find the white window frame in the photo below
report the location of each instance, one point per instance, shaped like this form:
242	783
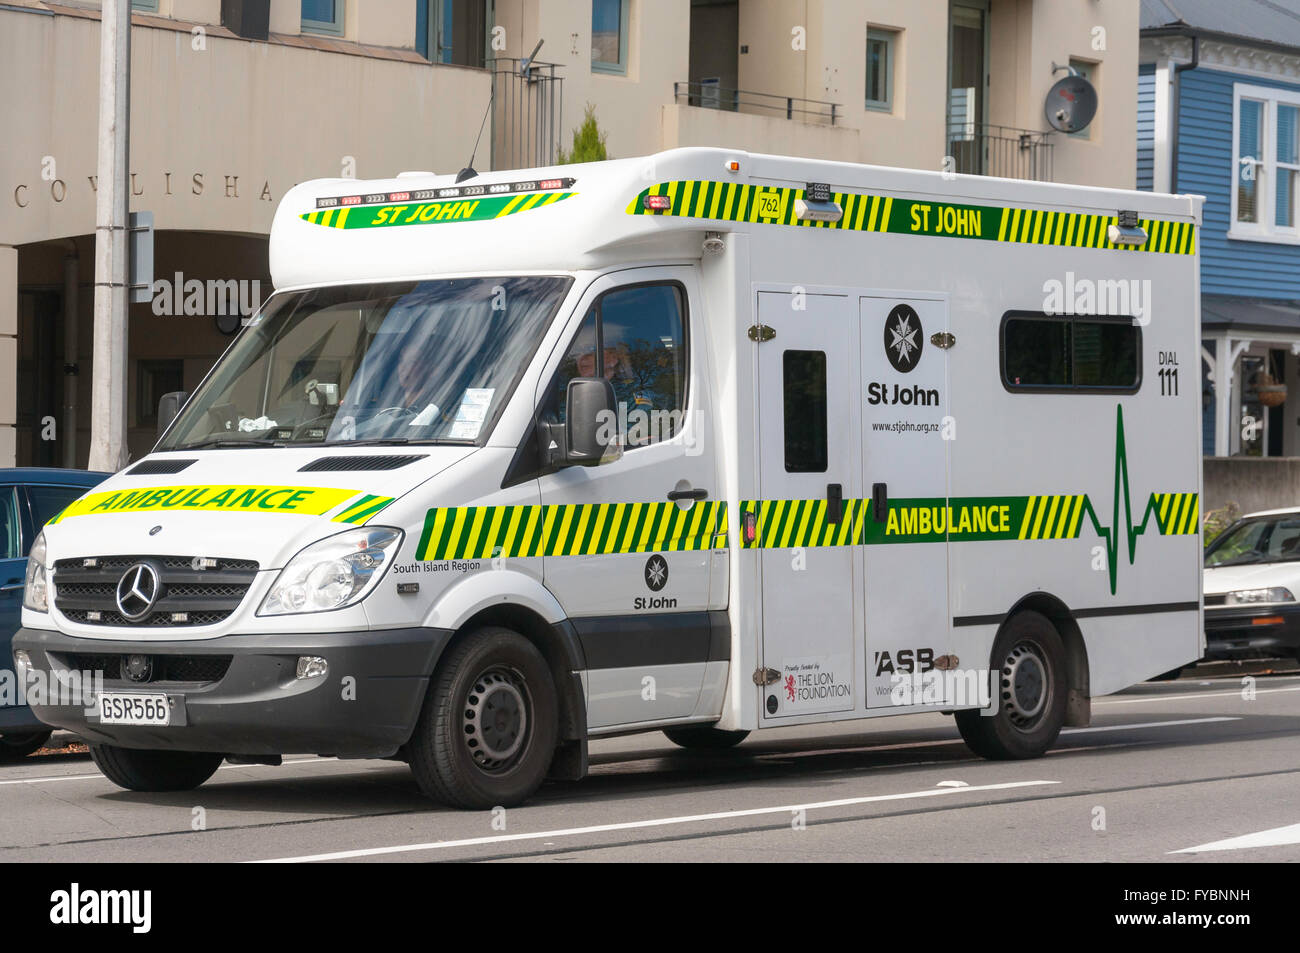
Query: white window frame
1265	230
329	28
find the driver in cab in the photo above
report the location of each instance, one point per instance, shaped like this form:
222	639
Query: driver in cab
394	404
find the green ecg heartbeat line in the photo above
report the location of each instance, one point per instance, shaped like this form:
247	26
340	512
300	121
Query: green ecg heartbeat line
1132	532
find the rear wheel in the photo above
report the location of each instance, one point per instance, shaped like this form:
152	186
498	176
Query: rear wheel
138	770
705	737
15	747
1029	660
488	731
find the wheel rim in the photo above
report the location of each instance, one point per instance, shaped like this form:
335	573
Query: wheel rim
1026	685
495	719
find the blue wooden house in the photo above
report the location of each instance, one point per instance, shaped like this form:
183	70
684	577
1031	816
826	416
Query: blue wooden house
1219	115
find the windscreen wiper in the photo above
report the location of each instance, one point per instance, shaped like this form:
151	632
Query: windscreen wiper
229	442
385	442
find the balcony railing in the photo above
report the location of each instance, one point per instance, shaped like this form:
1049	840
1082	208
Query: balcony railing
527	99
711	96
982	149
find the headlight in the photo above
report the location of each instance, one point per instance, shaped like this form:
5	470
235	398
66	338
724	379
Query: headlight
334	572
1250	597
36	590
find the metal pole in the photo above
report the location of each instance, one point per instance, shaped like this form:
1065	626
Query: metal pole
108	450
71	320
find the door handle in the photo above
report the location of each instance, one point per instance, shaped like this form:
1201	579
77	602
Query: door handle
834	502
879	502
692	494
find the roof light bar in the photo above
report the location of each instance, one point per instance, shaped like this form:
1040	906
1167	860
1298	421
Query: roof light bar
451	192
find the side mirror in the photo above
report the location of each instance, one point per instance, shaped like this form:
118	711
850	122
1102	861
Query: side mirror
591	423
169	405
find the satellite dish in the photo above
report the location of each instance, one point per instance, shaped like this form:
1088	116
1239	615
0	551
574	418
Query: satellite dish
1071	104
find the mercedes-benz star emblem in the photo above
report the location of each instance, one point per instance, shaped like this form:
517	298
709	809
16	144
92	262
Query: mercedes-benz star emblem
137	591
656	572
903	338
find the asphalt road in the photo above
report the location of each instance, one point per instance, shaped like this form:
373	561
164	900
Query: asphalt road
1186	771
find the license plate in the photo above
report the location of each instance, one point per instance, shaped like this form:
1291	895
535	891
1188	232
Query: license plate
123	708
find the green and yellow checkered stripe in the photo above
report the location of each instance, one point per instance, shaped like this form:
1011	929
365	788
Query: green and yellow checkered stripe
783	524
1177	514
578	529
475	209
1052	517
359	511
1077	230
771	205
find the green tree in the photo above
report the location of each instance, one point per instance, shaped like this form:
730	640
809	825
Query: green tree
588	141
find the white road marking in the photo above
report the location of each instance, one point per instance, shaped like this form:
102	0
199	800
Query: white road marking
639	825
1177	698
1149	724
89	777
1277	837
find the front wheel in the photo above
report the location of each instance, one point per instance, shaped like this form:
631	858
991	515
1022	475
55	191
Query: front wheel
154	771
488	730
16	747
1029	660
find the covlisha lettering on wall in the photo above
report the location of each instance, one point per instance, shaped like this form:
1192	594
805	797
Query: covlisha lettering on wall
163	183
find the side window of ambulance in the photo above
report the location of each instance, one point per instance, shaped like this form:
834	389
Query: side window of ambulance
1080	354
803	386
636	338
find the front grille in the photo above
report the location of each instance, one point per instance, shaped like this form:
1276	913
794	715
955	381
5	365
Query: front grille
191	592
1220	600
163	668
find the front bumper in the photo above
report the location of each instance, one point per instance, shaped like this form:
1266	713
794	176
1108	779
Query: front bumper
1252	632
366	705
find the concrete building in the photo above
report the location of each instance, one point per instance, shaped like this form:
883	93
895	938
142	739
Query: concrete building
221	127
893	82
227	115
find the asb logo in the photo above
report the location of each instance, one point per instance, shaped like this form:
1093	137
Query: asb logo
903	338
656	572
137	591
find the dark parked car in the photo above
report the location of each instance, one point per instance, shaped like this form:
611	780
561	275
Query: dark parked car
28	498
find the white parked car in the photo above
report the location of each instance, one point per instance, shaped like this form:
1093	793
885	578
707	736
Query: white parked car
1252	576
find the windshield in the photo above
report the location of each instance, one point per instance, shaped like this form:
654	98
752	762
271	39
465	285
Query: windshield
402	362
1269	540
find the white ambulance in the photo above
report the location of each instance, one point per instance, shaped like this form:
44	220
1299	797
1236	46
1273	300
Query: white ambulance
705	442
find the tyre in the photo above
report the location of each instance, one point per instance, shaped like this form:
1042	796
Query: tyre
15	747
138	770
488	730
1029	661
704	737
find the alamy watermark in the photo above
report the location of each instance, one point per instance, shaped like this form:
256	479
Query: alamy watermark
1126	297
213	297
